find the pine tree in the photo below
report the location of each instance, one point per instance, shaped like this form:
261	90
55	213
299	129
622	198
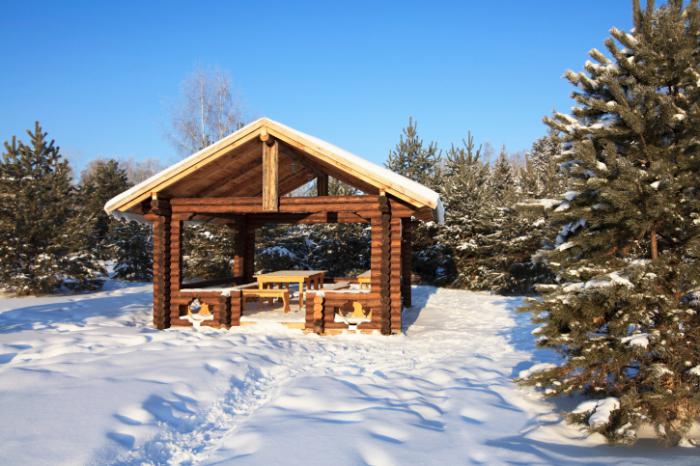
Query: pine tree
502	180
41	221
208	251
627	258
100	182
540	177
418	162
131	246
412	158
465	192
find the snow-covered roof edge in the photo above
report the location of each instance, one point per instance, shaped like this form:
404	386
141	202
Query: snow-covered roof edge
380	175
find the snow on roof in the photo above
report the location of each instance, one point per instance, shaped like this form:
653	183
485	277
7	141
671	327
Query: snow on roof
376	175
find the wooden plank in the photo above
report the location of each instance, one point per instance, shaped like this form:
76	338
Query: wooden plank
322	185
219	173
205	156
270	192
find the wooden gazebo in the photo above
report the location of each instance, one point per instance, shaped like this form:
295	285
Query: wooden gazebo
244	181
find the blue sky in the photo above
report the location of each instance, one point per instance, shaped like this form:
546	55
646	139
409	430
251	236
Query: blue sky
101	76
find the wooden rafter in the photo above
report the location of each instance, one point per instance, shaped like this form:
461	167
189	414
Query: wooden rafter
270	175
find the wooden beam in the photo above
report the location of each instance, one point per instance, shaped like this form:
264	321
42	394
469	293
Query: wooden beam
322	185
365	206
270	194
319	217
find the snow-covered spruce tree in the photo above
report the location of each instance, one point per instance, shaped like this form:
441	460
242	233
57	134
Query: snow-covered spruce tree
42	242
465	192
208	251
628	254
505	249
540	176
414	159
99	182
131	248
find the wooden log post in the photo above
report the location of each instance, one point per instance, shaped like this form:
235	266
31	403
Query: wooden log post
176	227
236	308
322	185
160	216
406	260
380	261
395	274
314	314
224	312
270	174
248	252
238	230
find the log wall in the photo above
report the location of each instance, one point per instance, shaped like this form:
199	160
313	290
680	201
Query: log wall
406	260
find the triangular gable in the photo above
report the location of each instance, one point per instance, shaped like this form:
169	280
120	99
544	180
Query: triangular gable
371	174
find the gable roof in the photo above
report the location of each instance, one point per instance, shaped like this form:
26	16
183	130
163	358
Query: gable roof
345	165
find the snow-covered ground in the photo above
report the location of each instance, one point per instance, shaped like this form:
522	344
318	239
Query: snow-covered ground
85	380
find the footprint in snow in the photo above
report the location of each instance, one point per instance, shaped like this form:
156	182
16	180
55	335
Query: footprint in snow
122	439
7	357
134	416
473	415
386	432
373	456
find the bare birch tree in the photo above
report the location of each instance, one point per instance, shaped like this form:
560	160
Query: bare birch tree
208	111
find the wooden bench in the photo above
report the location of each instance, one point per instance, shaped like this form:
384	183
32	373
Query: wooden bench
282	293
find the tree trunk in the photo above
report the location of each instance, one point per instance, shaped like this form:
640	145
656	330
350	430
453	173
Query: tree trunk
654	245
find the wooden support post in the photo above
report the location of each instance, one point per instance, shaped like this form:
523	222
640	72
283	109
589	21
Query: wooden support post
175	255
314	314
406	260
395	274
239	244
161	263
248	253
380	260
270	161
224	309
322	185
236	307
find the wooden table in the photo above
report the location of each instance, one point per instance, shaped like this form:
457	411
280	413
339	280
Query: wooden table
311	279
364	279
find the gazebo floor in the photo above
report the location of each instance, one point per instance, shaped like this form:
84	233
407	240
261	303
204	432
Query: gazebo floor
255	311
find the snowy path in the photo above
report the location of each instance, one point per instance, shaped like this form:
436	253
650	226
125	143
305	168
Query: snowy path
83	380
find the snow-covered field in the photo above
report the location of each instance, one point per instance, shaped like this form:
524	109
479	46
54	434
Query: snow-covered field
85	380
